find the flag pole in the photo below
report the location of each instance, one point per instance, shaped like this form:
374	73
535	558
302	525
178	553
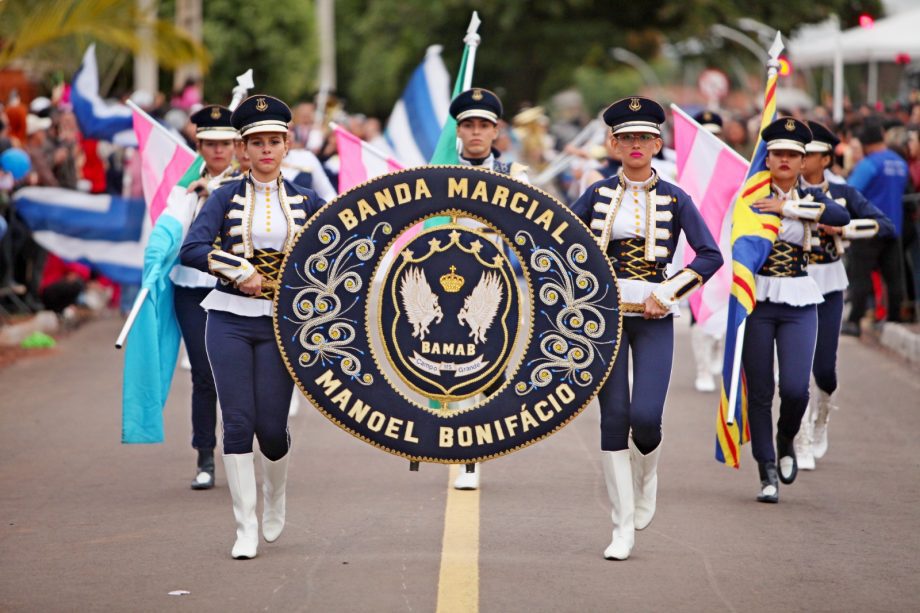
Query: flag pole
772	69
243	85
135	309
472	40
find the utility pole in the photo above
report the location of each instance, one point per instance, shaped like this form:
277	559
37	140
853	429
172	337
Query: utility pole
325	27
189	19
145	62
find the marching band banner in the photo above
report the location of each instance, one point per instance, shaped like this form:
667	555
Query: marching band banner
455	343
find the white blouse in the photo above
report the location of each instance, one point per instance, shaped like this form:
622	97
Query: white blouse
269	231
186	276
830	276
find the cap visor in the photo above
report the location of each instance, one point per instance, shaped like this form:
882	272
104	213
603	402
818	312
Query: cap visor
786	145
478	113
217	135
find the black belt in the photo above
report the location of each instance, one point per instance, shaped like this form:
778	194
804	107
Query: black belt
268	264
628	258
827	253
785	260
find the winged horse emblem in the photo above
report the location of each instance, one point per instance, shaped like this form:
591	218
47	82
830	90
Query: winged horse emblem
481	305
420	303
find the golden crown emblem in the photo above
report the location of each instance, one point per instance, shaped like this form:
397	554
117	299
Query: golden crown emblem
477	95
452	282
790	125
215	113
261	104
634	104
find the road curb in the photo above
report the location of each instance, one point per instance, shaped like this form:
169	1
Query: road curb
901	340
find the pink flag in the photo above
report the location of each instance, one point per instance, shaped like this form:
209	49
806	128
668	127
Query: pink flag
711	172
360	162
163	161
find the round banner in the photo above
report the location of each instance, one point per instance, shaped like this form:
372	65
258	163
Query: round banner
447	314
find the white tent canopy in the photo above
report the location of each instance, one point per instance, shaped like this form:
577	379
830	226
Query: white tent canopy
889	37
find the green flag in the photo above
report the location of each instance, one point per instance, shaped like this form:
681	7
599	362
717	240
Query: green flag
446	151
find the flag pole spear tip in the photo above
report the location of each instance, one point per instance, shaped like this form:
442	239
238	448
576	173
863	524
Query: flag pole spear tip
472	36
245	80
775	49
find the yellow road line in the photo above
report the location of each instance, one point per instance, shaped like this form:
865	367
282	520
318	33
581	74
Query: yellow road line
458	582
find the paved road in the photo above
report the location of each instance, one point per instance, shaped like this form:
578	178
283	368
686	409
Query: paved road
92	525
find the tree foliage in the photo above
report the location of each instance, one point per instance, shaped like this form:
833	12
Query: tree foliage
277	39
55	32
532	48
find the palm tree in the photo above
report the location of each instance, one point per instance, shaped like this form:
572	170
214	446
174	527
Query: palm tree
52	32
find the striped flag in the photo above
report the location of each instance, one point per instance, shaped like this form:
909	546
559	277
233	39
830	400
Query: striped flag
95	118
752	237
107	233
415	124
152	348
359	161
711	172
164	160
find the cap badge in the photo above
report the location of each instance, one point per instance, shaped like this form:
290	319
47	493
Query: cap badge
707	116
215	113
261	104
790	125
477	95
634	104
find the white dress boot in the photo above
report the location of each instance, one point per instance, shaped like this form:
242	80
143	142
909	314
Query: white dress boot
822	416
618	478
274	483
702	345
802	443
294	408
645	483
716	356
241	478
467	481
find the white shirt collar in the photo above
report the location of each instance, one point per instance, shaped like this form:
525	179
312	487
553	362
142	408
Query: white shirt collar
271	186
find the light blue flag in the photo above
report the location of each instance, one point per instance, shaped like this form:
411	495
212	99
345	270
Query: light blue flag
152	347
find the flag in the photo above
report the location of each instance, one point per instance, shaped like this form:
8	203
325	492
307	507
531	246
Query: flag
446	152
752	237
107	233
414	126
359	161
711	172
164	160
152	346
96	118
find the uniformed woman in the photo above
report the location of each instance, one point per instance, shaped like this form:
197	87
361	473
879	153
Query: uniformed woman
256	219
785	316
477	112
215	136
826	268
638	219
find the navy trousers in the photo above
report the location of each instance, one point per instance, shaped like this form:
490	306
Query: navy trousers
830	314
792	330
192	320
651	343
253	384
